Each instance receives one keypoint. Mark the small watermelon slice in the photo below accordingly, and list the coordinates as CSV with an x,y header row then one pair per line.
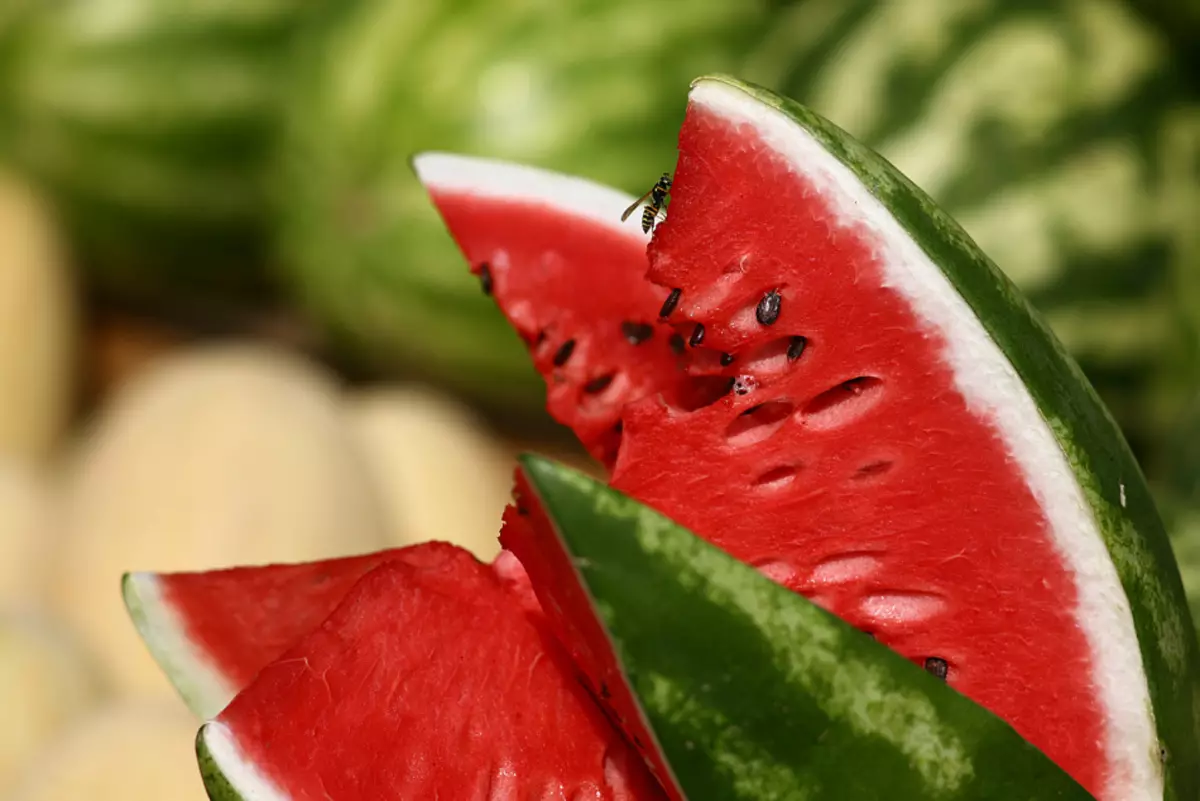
x,y
426,682
903,442
539,242
212,631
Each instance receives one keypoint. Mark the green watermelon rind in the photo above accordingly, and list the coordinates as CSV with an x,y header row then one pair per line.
x,y
752,691
227,774
201,686
1103,466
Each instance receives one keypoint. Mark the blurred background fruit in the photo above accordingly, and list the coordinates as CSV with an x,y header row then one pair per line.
x,y
232,328
27,533
215,457
153,123
434,465
45,682
37,324
126,751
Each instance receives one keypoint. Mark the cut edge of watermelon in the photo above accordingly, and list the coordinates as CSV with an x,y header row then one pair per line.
x,y
227,774
505,180
990,385
202,686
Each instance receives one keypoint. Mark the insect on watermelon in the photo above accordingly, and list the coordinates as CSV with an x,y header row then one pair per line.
x,y
898,437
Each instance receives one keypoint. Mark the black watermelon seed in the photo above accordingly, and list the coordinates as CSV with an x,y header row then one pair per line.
x,y
768,308
697,335
619,427
597,385
564,352
670,303
636,333
677,344
726,359
937,666
485,278
796,347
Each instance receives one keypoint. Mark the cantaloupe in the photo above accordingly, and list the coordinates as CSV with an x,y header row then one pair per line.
x,y
37,324
218,456
437,468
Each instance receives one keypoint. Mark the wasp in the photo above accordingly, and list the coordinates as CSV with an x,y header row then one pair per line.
x,y
657,195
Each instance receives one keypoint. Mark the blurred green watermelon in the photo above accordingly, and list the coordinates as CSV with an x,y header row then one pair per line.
x,y
153,122
1061,133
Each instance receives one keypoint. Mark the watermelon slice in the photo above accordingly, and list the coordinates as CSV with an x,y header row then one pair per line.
x,y
212,632
902,440
539,242
429,681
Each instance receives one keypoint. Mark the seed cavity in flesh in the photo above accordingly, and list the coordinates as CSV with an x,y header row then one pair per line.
x,y
636,333
768,308
726,359
697,335
937,666
564,353
485,278
598,385
677,344
670,303
744,384
796,348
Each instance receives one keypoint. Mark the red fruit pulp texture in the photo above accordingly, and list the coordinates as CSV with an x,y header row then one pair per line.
x,y
575,291
428,680
838,456
243,618
530,536
855,474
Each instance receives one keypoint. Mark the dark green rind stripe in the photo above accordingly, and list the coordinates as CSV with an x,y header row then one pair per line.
x,y
215,783
755,693
1087,434
153,125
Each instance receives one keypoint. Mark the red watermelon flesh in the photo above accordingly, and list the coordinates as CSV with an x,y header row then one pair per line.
x,y
529,535
571,279
426,680
849,463
243,618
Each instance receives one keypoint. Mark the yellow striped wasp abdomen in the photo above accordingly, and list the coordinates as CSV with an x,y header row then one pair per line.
x,y
657,195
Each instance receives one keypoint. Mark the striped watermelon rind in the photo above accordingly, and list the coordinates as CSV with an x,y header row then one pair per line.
x,y
1098,456
726,662
153,123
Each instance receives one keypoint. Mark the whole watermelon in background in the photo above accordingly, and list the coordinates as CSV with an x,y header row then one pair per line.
x,y
594,87
1056,131
153,122
1060,134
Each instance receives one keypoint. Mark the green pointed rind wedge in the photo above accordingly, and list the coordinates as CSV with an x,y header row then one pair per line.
x,y
752,691
1099,457
215,784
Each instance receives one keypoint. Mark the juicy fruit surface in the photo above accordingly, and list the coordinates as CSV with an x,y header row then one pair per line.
x,y
537,261
855,474
449,665
241,619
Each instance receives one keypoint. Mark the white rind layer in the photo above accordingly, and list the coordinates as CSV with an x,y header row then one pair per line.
x,y
992,388
242,774
203,687
450,172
